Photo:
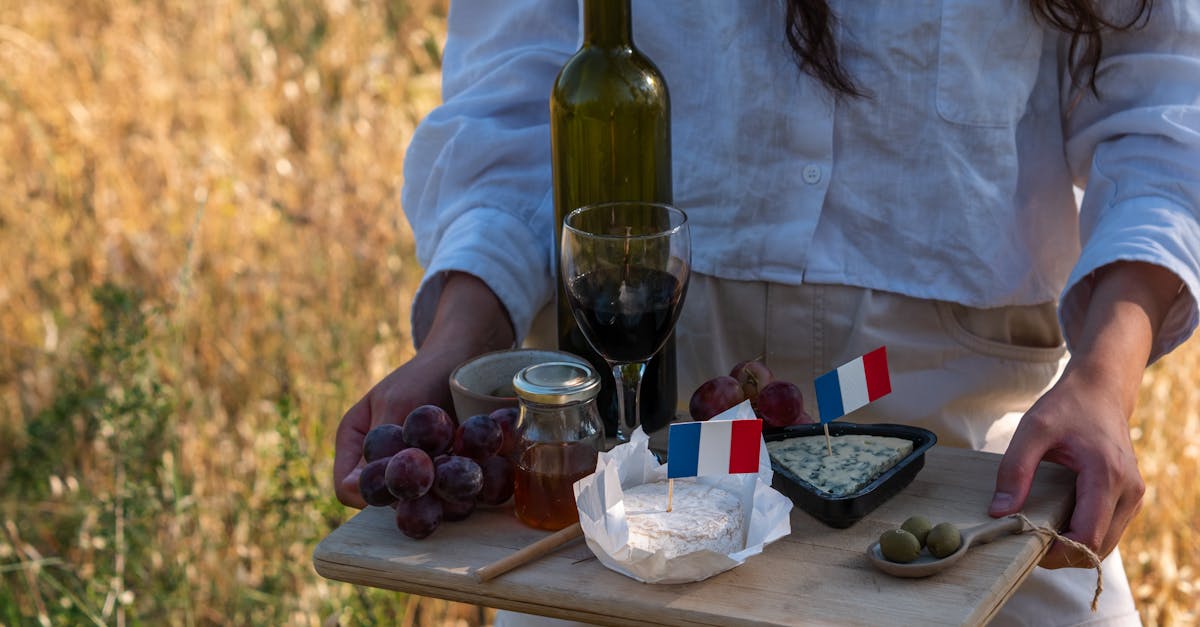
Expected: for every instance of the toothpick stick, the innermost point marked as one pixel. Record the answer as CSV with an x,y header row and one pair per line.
x,y
828,443
670,492
529,553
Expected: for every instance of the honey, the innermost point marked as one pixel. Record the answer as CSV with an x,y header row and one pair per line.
x,y
559,434
545,475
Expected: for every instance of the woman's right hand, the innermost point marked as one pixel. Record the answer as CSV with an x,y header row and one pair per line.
x,y
469,321
421,381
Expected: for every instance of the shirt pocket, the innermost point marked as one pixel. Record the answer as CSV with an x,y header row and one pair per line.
x,y
988,57
1028,333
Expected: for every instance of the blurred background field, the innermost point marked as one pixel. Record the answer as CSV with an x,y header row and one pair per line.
x,y
203,262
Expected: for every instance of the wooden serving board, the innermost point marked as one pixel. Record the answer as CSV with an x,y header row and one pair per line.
x,y
815,575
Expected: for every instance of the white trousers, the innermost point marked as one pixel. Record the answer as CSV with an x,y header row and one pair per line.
x,y
966,374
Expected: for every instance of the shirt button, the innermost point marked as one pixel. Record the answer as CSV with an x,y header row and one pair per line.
x,y
812,174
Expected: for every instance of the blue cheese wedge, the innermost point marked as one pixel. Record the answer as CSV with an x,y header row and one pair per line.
x,y
856,459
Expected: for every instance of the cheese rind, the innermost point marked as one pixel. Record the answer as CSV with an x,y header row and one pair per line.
x,y
702,517
855,462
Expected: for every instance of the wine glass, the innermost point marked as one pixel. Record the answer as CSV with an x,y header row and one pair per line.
x,y
625,268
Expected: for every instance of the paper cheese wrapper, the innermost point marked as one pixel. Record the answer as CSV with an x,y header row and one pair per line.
x,y
602,512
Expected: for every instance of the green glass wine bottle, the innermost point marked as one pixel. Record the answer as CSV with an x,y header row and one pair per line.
x,y
610,129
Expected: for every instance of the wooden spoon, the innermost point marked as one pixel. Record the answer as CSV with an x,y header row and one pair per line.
x,y
927,565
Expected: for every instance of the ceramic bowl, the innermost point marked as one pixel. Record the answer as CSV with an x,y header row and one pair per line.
x,y
484,384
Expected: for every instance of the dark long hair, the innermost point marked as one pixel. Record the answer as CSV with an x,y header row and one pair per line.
x,y
810,28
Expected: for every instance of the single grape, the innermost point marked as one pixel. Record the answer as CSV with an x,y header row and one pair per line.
x,y
409,474
458,479
499,474
752,376
780,404
715,396
453,511
419,517
383,441
429,428
507,418
372,486
478,437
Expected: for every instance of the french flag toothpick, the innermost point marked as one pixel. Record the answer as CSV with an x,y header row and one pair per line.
x,y
714,447
853,385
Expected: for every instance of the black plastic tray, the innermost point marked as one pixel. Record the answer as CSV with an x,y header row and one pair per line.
x,y
843,511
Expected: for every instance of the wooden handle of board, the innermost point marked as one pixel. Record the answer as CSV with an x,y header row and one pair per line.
x,y
529,553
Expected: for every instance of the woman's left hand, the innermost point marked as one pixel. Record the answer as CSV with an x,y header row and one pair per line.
x,y
1083,421
1082,424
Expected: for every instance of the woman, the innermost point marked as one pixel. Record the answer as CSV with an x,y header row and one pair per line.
x,y
856,176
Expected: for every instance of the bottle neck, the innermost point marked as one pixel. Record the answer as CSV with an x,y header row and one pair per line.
x,y
606,23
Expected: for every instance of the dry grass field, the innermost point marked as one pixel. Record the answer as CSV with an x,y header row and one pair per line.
x,y
203,263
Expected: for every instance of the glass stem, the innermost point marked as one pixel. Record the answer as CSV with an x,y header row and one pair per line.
x,y
629,390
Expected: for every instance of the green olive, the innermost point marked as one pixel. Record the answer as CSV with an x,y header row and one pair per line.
x,y
943,540
918,526
898,545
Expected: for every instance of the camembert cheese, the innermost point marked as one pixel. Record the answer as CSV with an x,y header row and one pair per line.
x,y
856,459
702,517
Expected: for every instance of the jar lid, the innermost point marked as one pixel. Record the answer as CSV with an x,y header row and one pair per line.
x,y
557,383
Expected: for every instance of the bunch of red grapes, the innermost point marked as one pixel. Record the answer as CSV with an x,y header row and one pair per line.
x,y
778,402
430,469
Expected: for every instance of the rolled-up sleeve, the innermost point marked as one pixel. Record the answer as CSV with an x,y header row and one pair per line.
x,y
477,174
1136,152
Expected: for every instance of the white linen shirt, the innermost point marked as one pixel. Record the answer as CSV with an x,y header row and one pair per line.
x,y
952,180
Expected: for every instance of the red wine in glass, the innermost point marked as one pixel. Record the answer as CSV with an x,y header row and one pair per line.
x,y
626,313
625,269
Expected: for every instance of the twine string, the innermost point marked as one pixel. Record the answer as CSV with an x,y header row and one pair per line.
x,y
1048,532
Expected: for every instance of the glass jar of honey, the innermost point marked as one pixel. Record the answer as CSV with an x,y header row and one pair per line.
x,y
559,434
